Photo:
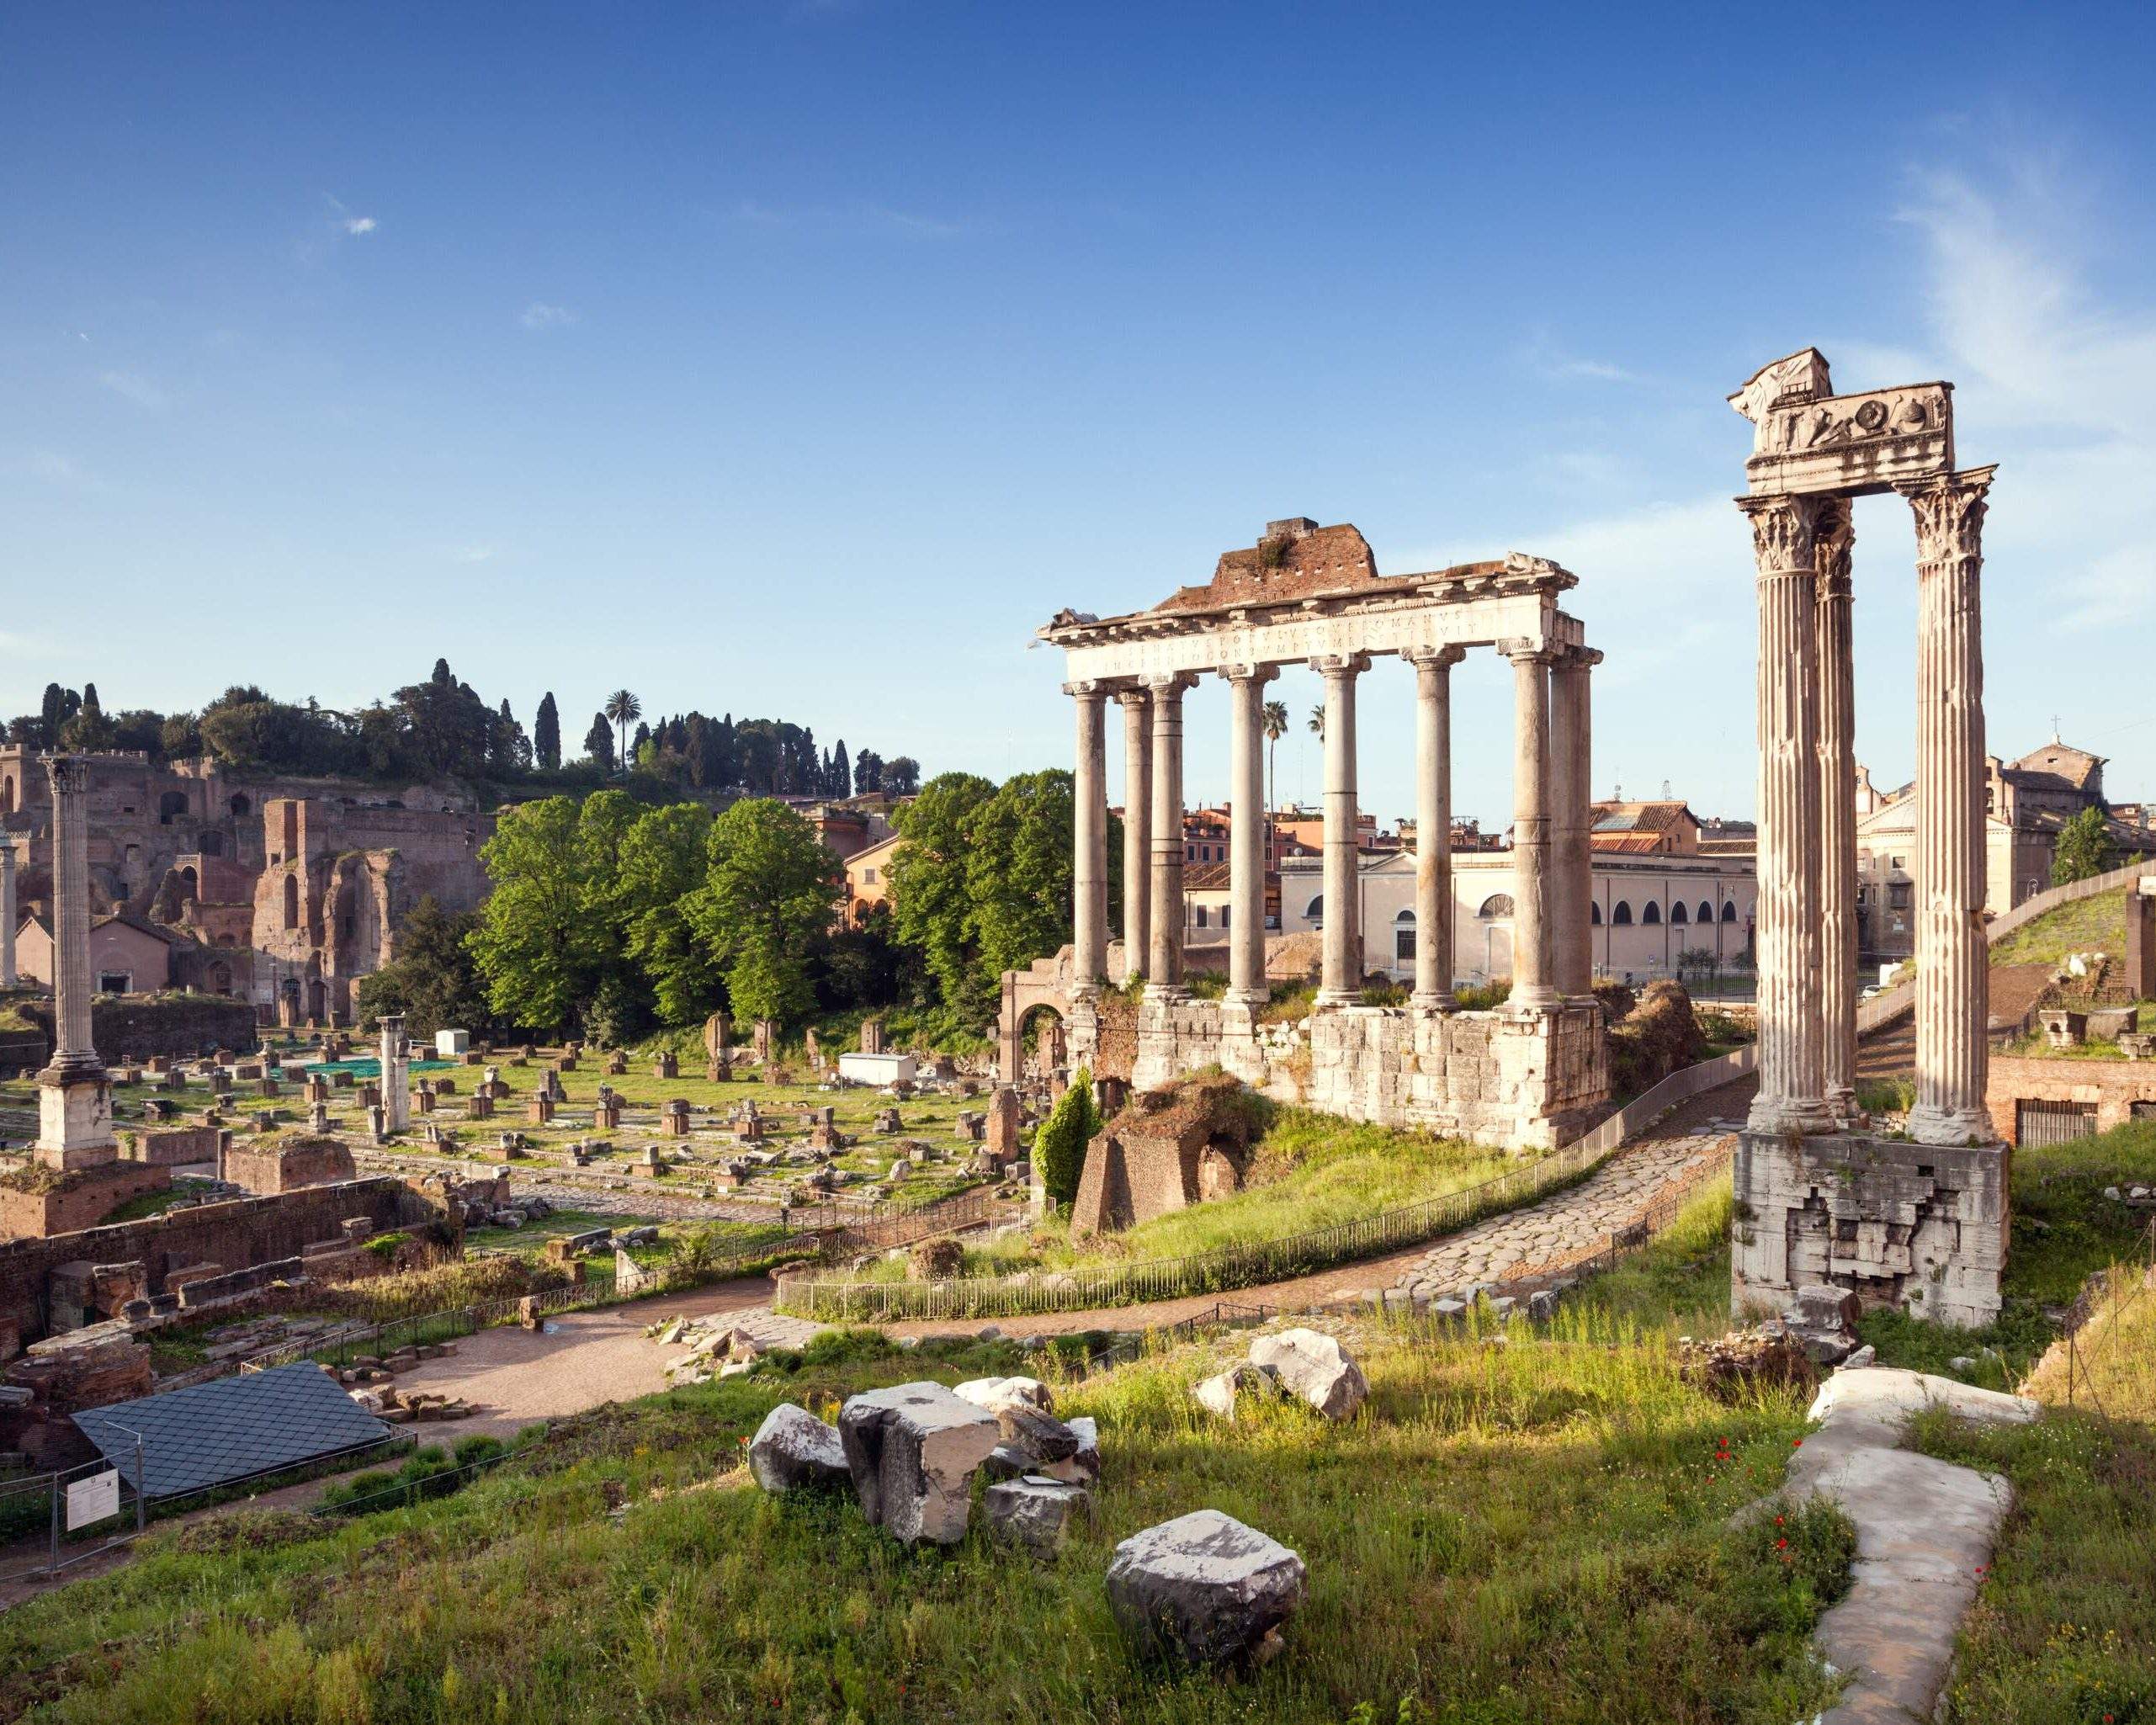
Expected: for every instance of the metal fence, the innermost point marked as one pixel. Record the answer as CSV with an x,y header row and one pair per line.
x,y
49,1522
2102,1292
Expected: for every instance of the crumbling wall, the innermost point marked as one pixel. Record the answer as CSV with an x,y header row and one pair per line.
x,y
1166,1150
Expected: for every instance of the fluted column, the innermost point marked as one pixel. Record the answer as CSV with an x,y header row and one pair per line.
x,y
7,912
1247,857
1165,970
72,1049
1433,827
1089,827
1137,830
397,1073
1952,996
1534,977
1572,819
1792,1065
1339,982
1837,809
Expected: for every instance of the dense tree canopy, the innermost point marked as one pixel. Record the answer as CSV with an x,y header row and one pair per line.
x,y
433,980
767,902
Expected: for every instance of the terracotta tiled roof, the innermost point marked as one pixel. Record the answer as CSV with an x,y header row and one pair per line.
x,y
1628,843
1206,878
1641,817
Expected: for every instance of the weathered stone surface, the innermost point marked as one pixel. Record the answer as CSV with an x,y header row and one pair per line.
x,y
1822,1306
1034,1512
1220,1394
995,1393
912,1451
795,1451
1040,1436
1315,1367
1204,1588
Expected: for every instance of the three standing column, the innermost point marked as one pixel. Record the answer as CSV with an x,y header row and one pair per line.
x,y
1837,808
1164,974
1246,859
1433,827
1572,859
1952,993
1534,981
1088,873
1792,1063
1339,982
1137,831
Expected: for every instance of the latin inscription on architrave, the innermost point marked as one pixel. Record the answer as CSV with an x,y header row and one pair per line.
x,y
1853,444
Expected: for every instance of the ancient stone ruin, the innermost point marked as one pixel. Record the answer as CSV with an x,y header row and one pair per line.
x,y
1168,1149
1919,1222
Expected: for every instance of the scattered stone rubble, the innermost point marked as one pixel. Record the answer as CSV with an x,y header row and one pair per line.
x,y
1205,1589
370,1378
1304,1363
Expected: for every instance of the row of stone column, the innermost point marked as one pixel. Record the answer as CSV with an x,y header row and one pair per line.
x,y
1807,922
1552,954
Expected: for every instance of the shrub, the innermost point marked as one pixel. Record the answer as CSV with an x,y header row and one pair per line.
x,y
1658,1036
1060,1145
480,1446
935,1260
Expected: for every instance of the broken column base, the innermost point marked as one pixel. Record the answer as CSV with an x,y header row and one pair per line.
x,y
1920,1228
74,1113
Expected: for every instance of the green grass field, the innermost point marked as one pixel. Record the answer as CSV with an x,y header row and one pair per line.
x,y
1536,1533
2093,924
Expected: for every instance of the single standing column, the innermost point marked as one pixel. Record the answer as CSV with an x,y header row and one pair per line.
x,y
396,1075
1137,830
1089,869
1837,810
1534,982
1341,981
74,1098
1165,975
1572,858
1791,1064
6,912
1952,996
1433,827
1247,857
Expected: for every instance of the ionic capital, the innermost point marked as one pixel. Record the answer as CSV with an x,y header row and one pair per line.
x,y
1132,697
1526,649
1578,658
1435,658
1949,515
1785,532
1332,666
1157,683
1092,689
1260,674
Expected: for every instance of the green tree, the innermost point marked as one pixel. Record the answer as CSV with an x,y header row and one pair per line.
x,y
89,730
2085,848
932,905
901,775
546,734
598,743
538,943
621,707
1273,717
769,894
1060,1145
433,981
662,860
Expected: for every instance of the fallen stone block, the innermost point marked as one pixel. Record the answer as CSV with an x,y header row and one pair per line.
x,y
1315,1366
995,1393
1220,1394
1034,1512
1205,1589
793,1451
913,1450
1033,1433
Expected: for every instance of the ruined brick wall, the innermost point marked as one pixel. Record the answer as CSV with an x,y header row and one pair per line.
x,y
83,1204
172,1146
264,1166
234,1236
2112,1087
128,1028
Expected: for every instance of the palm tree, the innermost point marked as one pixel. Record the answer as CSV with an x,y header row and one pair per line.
x,y
624,709
1318,720
1273,718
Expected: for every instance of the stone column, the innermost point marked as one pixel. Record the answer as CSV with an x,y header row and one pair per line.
x,y
1433,827
396,1075
1165,965
1089,870
7,912
1137,830
74,1097
1837,810
1572,820
1534,979
1952,996
1791,1064
1246,857
1340,982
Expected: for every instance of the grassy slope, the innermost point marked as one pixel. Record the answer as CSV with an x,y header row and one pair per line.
x,y
1508,1534
2096,925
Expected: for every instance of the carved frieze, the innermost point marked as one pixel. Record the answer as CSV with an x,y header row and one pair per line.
x,y
1850,445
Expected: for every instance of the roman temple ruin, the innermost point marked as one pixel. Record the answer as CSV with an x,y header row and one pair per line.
x,y
1917,1222
1529,1073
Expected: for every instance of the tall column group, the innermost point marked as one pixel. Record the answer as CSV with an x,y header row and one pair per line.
x,y
1551,859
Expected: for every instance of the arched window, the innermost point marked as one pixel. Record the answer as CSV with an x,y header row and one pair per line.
x,y
1729,910
1593,914
291,901
240,804
1622,917
172,803
7,794
1706,911
1678,914
1652,914
1403,938
1496,906
1314,912
187,874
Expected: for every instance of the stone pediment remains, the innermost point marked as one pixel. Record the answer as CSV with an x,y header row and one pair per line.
x,y
1808,441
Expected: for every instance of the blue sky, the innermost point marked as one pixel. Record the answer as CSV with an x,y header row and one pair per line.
x,y
800,359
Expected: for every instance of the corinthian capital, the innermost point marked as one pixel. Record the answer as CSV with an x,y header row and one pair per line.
x,y
1087,689
1836,537
1785,531
1949,515
70,774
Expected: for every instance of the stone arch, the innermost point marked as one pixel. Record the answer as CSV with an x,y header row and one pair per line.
x,y
241,803
1314,913
1622,917
1706,911
1651,915
1495,907
1045,983
1042,1036
187,875
291,901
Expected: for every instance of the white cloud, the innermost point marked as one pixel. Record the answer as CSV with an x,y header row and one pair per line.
x,y
539,314
473,553
136,388
358,225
